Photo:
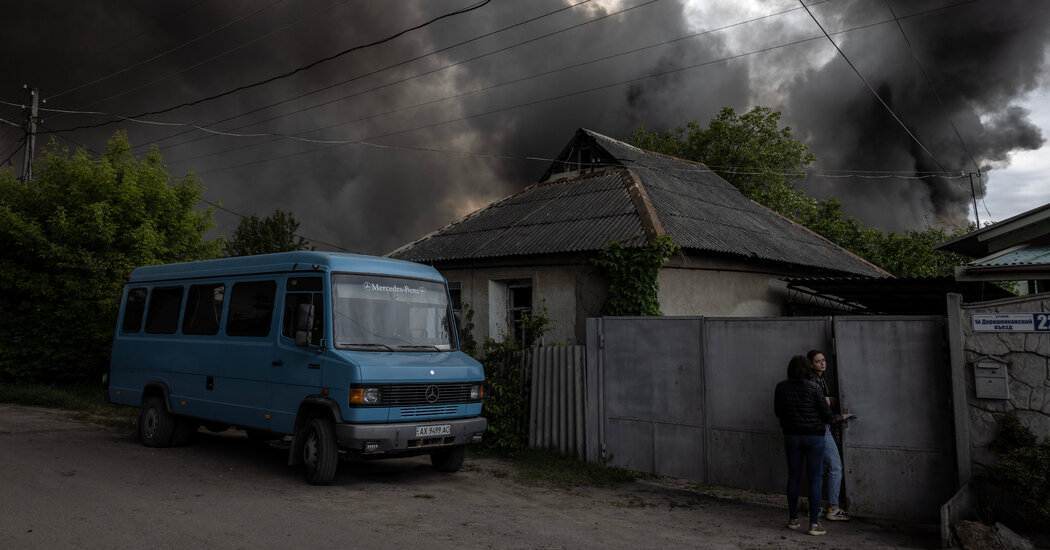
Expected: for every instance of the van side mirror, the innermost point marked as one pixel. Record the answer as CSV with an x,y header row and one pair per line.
x,y
304,324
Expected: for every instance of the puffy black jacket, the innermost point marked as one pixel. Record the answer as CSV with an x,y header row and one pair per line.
x,y
801,408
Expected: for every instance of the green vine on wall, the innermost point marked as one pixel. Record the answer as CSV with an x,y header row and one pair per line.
x,y
632,274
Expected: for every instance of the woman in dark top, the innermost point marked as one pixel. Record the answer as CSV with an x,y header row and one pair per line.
x,y
803,413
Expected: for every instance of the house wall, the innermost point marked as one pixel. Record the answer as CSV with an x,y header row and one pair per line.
x,y
570,293
1028,371
720,293
572,290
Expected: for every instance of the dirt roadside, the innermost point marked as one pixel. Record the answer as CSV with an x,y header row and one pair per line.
x,y
79,485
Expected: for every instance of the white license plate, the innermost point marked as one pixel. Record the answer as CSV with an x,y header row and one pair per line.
x,y
428,431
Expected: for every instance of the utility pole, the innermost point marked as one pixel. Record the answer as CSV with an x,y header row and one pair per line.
x,y
973,194
31,116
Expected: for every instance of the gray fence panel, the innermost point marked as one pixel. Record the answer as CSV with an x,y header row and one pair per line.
x,y
652,388
898,453
743,362
557,398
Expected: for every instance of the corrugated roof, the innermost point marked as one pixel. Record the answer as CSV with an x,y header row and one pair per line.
x,y
581,214
1025,255
584,212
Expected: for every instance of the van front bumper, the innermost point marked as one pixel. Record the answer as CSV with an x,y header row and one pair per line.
x,y
402,436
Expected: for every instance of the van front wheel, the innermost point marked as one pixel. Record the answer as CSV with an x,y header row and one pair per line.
x,y
320,452
448,460
156,424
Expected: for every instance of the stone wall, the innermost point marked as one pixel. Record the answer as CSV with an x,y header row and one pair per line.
x,y
1028,357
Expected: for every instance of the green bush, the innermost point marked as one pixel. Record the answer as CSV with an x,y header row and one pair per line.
x,y
506,403
1018,485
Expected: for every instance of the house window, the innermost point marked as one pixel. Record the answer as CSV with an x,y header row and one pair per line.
x,y
455,295
519,306
510,300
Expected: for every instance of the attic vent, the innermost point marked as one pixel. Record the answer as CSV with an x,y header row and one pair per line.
x,y
582,160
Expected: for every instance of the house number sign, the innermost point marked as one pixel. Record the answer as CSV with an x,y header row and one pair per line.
x,y
1011,322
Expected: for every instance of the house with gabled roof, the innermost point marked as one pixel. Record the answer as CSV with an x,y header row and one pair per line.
x,y
534,248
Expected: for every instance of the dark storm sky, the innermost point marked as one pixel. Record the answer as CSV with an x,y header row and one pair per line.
x,y
506,85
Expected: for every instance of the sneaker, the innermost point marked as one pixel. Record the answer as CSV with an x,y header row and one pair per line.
x,y
816,530
837,514
793,523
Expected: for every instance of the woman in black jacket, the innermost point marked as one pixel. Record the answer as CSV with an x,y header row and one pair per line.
x,y
803,413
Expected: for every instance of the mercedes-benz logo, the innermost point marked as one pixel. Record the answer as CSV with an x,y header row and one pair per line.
x,y
432,394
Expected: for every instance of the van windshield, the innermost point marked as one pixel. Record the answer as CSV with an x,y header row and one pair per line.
x,y
376,312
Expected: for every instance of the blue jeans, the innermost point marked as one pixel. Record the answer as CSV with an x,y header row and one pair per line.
x,y
810,448
833,462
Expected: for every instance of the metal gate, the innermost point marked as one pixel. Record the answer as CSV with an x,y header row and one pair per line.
x,y
692,397
899,454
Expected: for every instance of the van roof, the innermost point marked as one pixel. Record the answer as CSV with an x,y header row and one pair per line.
x,y
283,262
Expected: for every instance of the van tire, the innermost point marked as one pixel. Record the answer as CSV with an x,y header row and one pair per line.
x,y
320,452
156,424
448,460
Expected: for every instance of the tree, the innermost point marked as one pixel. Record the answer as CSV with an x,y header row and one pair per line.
x,y
275,233
68,240
765,162
750,151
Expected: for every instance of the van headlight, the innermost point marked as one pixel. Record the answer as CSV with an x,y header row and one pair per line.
x,y
477,392
365,396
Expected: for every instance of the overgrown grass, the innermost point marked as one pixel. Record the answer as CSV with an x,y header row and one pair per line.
x,y
81,402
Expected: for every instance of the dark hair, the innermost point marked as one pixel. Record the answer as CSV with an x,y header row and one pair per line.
x,y
798,368
813,353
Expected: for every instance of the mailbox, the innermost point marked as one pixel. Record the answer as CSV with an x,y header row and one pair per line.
x,y
992,382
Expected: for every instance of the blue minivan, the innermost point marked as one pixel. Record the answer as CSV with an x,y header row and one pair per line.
x,y
352,356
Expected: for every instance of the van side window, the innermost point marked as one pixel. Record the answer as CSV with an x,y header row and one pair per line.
x,y
134,307
291,307
203,309
251,308
163,314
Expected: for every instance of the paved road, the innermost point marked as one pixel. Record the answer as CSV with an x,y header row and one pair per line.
x,y
70,484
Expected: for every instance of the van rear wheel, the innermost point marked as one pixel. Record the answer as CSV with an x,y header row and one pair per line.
x,y
156,424
448,460
320,452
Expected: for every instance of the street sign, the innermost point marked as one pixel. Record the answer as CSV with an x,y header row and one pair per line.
x,y
1011,322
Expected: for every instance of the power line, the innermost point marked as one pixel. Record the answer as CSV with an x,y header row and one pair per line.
x,y
220,55
876,94
294,71
388,67
18,147
166,52
463,94
166,17
223,208
362,141
478,90
926,76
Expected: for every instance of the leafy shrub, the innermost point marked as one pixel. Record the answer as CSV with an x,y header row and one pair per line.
x,y
1019,483
506,403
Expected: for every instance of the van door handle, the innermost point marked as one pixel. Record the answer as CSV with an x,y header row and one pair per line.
x,y
278,363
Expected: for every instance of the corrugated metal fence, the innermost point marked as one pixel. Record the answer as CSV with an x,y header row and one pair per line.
x,y
557,398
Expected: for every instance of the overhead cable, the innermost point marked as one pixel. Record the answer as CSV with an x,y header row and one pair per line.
x,y
944,109
217,56
166,52
876,94
383,69
294,71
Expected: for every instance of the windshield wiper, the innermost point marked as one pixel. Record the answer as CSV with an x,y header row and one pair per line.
x,y
435,348
370,345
